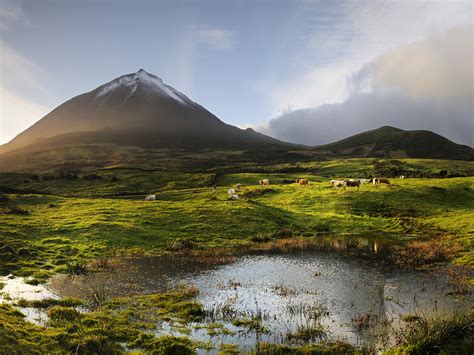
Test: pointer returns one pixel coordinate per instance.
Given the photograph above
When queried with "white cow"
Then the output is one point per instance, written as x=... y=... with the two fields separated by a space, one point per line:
x=231 y=192
x=150 y=198
x=234 y=197
x=364 y=181
x=336 y=184
x=238 y=187
x=264 y=182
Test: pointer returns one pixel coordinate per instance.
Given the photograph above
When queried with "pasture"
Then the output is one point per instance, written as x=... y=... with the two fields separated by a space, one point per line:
x=84 y=226
x=62 y=223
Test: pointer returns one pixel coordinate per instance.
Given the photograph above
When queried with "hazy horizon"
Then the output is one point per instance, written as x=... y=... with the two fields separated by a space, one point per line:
x=287 y=69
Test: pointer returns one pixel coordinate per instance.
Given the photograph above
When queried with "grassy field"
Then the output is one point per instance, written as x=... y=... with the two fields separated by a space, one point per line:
x=51 y=222
x=40 y=233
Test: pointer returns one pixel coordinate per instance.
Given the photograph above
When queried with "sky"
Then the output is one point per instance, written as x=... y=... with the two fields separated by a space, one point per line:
x=303 y=71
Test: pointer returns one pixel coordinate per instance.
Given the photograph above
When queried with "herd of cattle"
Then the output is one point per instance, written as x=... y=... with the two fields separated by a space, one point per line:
x=336 y=184
x=357 y=182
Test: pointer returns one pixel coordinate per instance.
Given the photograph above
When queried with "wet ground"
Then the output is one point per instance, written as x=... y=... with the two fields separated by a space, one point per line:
x=339 y=290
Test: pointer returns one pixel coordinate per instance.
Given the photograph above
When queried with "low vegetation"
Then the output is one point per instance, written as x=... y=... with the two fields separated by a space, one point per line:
x=78 y=222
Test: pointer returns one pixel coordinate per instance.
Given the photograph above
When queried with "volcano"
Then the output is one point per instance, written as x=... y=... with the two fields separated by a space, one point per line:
x=135 y=109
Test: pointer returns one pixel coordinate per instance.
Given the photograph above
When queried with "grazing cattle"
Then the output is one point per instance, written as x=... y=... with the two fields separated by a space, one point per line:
x=238 y=187
x=303 y=182
x=231 y=192
x=364 y=181
x=264 y=182
x=336 y=184
x=234 y=197
x=402 y=176
x=378 y=181
x=352 y=183
x=150 y=198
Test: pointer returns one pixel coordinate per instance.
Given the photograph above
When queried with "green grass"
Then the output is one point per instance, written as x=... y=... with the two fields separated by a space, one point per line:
x=120 y=321
x=445 y=334
x=75 y=221
x=59 y=230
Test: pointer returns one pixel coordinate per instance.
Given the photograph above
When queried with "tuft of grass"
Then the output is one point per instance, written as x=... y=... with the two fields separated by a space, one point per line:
x=445 y=333
x=50 y=302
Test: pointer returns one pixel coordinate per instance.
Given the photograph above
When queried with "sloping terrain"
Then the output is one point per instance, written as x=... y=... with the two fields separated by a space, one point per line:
x=391 y=142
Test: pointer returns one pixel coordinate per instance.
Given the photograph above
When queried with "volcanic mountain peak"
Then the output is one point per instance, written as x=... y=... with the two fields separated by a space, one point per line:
x=141 y=79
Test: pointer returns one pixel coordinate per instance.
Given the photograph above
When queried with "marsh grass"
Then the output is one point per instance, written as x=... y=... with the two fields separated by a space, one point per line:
x=438 y=333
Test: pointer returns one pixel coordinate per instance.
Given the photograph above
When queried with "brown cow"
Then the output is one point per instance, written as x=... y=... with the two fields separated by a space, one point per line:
x=303 y=182
x=378 y=181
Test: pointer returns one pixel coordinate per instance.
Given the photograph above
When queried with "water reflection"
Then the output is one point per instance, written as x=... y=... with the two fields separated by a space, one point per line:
x=342 y=295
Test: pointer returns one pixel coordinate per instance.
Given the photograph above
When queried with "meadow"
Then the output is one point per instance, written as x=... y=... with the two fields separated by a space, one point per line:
x=57 y=222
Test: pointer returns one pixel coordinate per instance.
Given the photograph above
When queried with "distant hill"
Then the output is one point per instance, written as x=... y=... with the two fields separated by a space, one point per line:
x=391 y=142
x=137 y=109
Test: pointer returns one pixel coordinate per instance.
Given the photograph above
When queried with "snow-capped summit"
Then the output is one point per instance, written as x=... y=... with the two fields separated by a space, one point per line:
x=130 y=83
x=135 y=109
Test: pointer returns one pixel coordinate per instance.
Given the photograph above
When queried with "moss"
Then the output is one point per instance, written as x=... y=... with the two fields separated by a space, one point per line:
x=62 y=314
x=338 y=347
x=228 y=349
x=50 y=302
x=169 y=345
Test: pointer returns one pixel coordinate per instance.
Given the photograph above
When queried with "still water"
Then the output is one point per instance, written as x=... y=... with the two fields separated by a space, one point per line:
x=341 y=290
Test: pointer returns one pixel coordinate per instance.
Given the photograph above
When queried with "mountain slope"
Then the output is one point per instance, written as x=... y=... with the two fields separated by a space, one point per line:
x=136 y=109
x=393 y=142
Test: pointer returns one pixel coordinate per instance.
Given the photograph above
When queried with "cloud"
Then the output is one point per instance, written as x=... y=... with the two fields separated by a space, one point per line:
x=193 y=41
x=341 y=38
x=427 y=84
x=17 y=114
x=438 y=68
x=215 y=37
x=11 y=13
x=19 y=79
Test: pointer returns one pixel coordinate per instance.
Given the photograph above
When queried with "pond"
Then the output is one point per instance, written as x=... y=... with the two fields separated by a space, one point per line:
x=310 y=294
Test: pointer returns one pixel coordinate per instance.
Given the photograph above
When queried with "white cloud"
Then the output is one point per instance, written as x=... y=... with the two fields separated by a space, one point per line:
x=217 y=38
x=350 y=34
x=20 y=79
x=11 y=13
x=427 y=84
x=17 y=114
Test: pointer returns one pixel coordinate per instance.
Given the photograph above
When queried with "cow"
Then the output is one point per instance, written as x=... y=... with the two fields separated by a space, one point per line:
x=264 y=182
x=364 y=181
x=336 y=184
x=231 y=192
x=352 y=183
x=303 y=182
x=378 y=181
x=150 y=198
x=238 y=187
x=234 y=197
x=402 y=176
x=214 y=188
